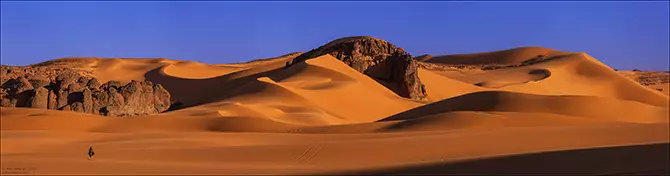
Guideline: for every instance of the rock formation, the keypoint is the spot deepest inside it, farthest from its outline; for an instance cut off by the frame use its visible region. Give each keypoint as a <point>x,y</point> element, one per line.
<point>68,90</point>
<point>379,59</point>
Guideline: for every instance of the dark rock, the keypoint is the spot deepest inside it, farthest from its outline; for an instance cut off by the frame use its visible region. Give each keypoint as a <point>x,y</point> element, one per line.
<point>75,88</point>
<point>93,83</point>
<point>83,81</point>
<point>5,99</point>
<point>379,59</point>
<point>100,100</point>
<point>20,91</point>
<point>87,100</point>
<point>77,107</point>
<point>161,98</point>
<point>115,103</point>
<point>39,81</point>
<point>287,64</point>
<point>66,78</point>
<point>41,98</point>
<point>62,98</point>
<point>174,105</point>
<point>138,98</point>
<point>52,102</point>
<point>110,84</point>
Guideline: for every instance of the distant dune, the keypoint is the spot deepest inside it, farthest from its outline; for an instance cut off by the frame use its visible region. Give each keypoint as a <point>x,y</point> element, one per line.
<point>538,111</point>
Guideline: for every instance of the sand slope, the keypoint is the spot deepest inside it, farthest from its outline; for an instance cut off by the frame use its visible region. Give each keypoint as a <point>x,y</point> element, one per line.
<point>568,114</point>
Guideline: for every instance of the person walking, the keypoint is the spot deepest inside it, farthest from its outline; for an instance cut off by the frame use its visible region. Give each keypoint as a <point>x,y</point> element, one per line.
<point>90,152</point>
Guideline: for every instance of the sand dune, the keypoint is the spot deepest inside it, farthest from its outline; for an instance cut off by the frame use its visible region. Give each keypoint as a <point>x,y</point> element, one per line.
<point>565,114</point>
<point>569,74</point>
<point>510,56</point>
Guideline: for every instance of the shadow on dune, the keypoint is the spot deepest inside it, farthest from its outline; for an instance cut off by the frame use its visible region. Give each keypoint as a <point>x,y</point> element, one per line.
<point>192,92</point>
<point>571,105</point>
<point>651,159</point>
<point>478,101</point>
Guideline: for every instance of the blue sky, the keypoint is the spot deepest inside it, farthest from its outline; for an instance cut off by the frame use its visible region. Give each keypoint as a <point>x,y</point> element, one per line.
<point>624,35</point>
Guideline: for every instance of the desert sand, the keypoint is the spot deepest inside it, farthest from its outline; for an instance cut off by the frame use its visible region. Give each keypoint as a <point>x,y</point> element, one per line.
<point>570,114</point>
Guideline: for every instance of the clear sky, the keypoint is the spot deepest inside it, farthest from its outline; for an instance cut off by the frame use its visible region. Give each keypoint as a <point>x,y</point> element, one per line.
<point>624,35</point>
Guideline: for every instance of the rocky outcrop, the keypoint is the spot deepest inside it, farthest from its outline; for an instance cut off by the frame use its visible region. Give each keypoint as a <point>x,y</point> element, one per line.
<point>69,91</point>
<point>379,59</point>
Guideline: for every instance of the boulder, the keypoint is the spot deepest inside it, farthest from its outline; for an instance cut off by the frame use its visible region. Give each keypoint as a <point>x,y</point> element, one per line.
<point>5,99</point>
<point>64,79</point>
<point>19,91</point>
<point>39,81</point>
<point>83,81</point>
<point>62,98</point>
<point>87,100</point>
<point>75,88</point>
<point>40,99</point>
<point>111,84</point>
<point>139,98</point>
<point>77,107</point>
<point>161,98</point>
<point>52,102</point>
<point>93,84</point>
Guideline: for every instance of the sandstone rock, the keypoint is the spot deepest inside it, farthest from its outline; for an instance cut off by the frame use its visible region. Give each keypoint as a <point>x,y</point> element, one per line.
<point>83,81</point>
<point>110,84</point>
<point>39,81</point>
<point>87,100</point>
<point>161,98</point>
<point>77,107</point>
<point>20,90</point>
<point>93,83</point>
<point>100,100</point>
<point>75,88</point>
<point>66,78</point>
<point>52,102</point>
<point>136,95</point>
<point>40,99</point>
<point>114,102</point>
<point>62,98</point>
<point>379,59</point>
<point>5,98</point>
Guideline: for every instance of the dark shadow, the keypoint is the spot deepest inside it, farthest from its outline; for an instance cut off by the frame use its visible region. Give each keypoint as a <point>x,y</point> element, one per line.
<point>192,92</point>
<point>477,101</point>
<point>75,97</point>
<point>650,159</point>
<point>543,73</point>
<point>23,98</point>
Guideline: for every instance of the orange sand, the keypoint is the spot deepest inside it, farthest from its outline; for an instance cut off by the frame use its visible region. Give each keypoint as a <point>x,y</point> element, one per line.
<point>569,115</point>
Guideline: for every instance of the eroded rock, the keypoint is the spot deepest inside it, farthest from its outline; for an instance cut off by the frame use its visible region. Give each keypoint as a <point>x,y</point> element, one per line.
<point>24,87</point>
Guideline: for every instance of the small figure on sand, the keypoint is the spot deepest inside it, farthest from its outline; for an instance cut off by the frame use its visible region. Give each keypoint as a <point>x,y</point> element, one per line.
<point>90,152</point>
